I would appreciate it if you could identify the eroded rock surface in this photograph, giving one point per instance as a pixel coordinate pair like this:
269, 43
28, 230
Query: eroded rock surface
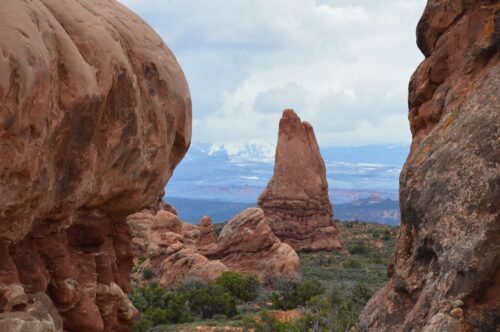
296, 201
207, 241
95, 113
182, 251
247, 244
167, 247
445, 275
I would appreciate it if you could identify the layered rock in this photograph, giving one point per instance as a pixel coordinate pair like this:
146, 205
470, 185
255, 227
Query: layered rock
445, 273
207, 241
167, 247
95, 113
181, 251
296, 201
247, 244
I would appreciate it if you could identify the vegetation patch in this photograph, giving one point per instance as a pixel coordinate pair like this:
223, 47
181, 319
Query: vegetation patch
335, 287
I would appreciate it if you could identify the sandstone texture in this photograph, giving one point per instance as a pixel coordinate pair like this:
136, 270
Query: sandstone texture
445, 274
174, 251
296, 201
247, 244
95, 113
167, 247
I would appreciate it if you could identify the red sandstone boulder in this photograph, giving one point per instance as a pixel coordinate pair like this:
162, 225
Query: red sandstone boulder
95, 113
447, 254
169, 249
248, 245
207, 242
296, 202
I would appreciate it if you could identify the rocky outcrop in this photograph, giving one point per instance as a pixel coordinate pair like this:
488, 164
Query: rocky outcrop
247, 244
445, 273
207, 241
178, 251
167, 247
95, 113
296, 201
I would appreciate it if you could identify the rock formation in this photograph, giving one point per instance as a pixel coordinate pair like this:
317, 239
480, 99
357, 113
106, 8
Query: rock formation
445, 274
95, 113
296, 201
247, 244
177, 251
167, 247
207, 241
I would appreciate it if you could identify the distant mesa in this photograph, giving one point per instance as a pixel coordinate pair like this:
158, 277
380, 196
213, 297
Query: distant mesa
295, 201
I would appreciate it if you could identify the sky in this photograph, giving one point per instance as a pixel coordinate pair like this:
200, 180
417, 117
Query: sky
343, 65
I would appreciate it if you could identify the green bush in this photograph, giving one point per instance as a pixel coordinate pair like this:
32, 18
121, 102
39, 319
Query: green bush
242, 287
267, 323
358, 248
159, 307
338, 311
289, 293
353, 263
210, 300
219, 317
147, 274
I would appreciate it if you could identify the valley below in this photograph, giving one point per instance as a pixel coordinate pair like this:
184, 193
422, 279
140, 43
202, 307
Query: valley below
335, 286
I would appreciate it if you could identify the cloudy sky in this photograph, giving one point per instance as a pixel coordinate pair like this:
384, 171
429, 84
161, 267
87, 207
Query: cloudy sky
343, 65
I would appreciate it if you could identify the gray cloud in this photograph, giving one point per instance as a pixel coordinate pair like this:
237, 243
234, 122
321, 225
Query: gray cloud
343, 64
277, 99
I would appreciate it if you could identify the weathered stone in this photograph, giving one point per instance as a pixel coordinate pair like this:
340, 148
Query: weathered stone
457, 313
449, 243
247, 244
457, 304
95, 113
296, 201
207, 242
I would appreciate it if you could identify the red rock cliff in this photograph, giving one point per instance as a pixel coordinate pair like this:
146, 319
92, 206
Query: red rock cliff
445, 274
95, 113
296, 201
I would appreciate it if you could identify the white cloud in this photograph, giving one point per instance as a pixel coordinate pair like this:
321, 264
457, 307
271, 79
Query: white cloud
344, 65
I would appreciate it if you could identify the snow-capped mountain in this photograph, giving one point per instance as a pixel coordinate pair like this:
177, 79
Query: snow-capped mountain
238, 172
253, 151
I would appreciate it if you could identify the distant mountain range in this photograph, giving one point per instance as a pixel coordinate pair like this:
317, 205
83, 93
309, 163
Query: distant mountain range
191, 210
220, 179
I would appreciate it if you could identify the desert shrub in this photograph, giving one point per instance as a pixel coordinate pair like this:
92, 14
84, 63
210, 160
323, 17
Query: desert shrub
289, 293
218, 227
387, 235
267, 323
210, 300
358, 248
147, 274
219, 317
242, 287
338, 310
353, 263
158, 307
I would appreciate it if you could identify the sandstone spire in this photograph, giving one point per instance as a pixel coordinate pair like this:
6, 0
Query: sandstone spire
296, 201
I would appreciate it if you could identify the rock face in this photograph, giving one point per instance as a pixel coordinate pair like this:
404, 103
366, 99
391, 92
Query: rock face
168, 249
177, 251
445, 274
296, 201
95, 113
247, 244
207, 241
